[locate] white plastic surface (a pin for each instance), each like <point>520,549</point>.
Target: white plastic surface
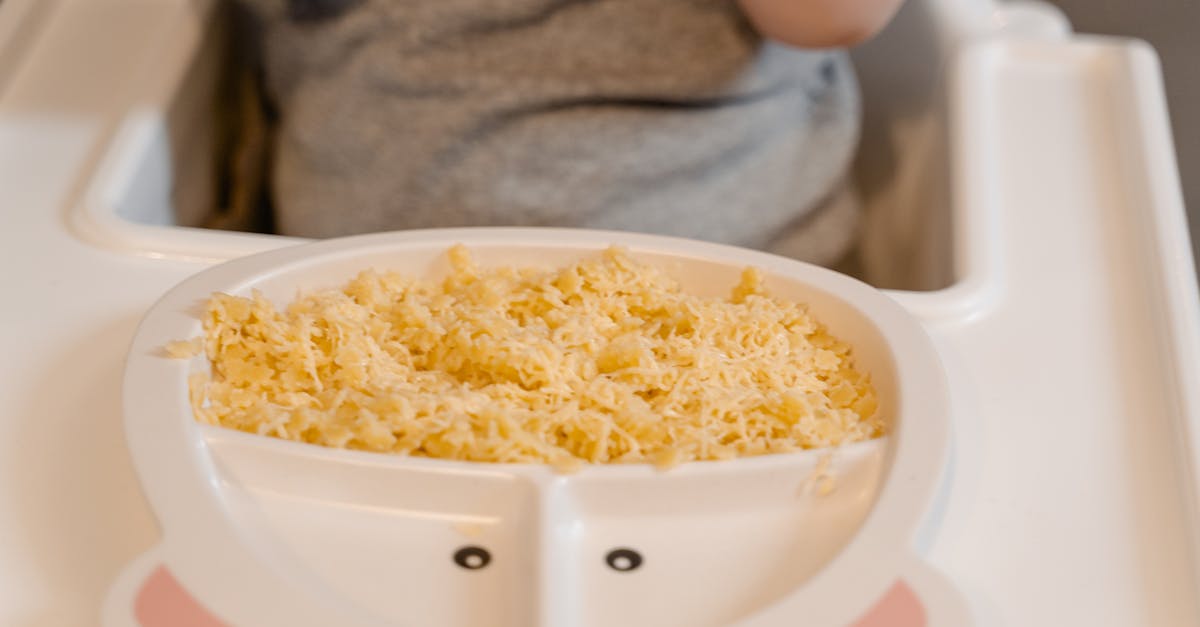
<point>1072,350</point>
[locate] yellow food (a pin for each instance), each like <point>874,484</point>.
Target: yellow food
<point>603,361</point>
<point>185,349</point>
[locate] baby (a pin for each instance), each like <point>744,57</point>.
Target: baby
<point>722,120</point>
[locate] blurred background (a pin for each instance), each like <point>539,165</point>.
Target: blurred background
<point>1173,28</point>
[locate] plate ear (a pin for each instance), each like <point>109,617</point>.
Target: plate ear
<point>146,594</point>
<point>162,601</point>
<point>920,597</point>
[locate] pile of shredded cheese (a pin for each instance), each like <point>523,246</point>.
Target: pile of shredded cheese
<point>603,361</point>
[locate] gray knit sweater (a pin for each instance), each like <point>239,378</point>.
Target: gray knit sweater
<point>662,116</point>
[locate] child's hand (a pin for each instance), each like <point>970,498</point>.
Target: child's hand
<point>820,23</point>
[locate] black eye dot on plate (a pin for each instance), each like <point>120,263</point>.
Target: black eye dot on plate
<point>472,557</point>
<point>623,560</point>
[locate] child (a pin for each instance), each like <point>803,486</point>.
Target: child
<point>662,116</point>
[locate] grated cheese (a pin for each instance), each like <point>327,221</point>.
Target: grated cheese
<point>822,481</point>
<point>603,361</point>
<point>185,349</point>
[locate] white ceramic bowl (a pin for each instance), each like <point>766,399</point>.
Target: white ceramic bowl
<point>260,531</point>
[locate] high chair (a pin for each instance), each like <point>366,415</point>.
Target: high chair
<point>1022,205</point>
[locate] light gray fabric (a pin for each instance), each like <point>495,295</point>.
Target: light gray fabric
<point>663,116</point>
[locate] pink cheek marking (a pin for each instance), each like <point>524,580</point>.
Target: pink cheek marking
<point>162,602</point>
<point>900,607</point>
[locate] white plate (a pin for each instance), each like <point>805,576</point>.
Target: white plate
<point>260,531</point>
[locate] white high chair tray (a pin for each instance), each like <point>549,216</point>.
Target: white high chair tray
<point>1071,338</point>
